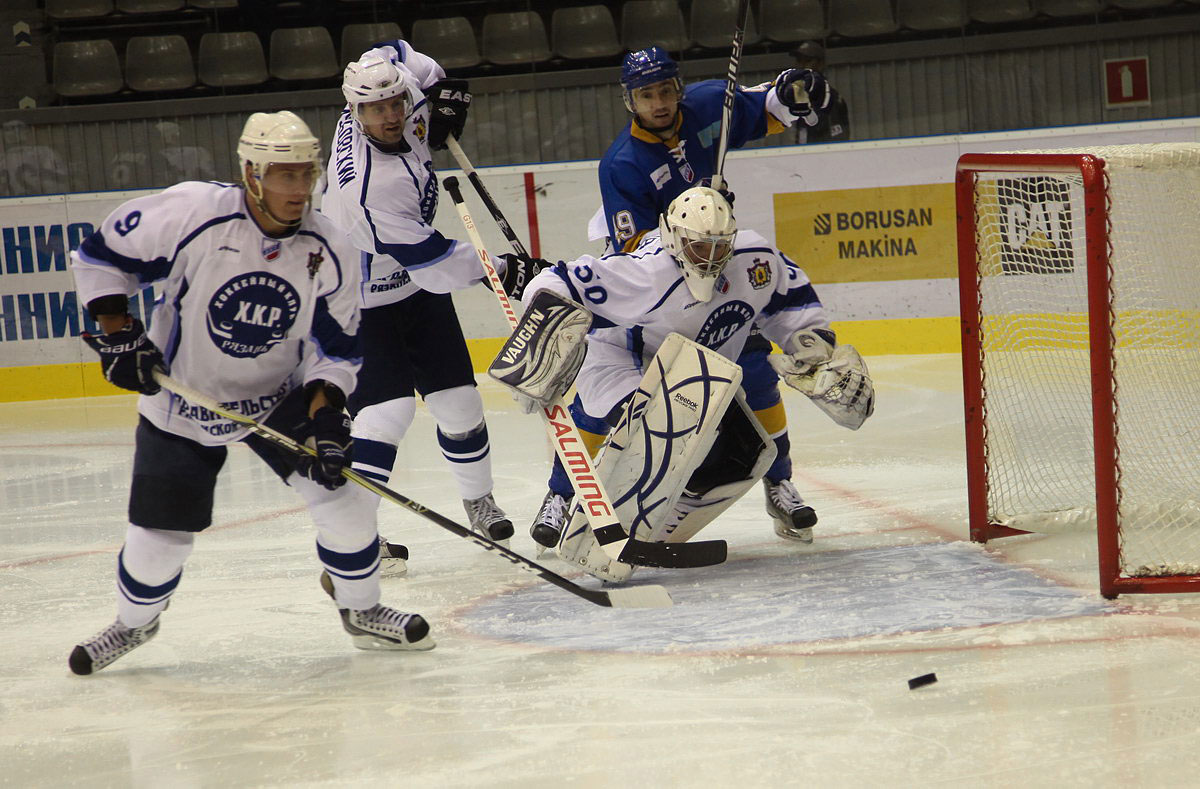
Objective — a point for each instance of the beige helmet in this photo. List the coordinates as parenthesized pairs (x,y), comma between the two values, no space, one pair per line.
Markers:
(274,138)
(698,230)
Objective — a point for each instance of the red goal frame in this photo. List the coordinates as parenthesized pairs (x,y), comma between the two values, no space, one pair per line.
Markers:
(1106,460)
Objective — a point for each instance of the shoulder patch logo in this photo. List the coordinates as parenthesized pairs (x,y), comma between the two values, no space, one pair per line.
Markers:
(760,274)
(419,129)
(252,313)
(270,248)
(315,259)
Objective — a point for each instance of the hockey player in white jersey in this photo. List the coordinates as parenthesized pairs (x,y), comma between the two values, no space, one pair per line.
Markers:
(705,280)
(383,192)
(259,309)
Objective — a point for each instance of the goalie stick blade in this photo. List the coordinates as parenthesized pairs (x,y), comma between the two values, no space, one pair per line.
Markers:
(674,555)
(652,596)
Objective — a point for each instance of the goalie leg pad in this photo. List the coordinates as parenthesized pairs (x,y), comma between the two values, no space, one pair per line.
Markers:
(542,357)
(666,432)
(737,460)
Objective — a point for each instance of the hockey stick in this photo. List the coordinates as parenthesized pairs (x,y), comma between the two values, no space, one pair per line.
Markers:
(460,156)
(607,528)
(731,76)
(634,597)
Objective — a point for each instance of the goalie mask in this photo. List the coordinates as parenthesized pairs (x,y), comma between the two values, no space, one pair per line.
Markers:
(275,138)
(698,230)
(374,78)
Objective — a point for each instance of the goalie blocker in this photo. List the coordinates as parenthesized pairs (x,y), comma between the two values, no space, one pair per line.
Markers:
(541,358)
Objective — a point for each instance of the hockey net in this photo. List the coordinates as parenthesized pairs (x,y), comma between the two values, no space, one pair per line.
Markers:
(1080,299)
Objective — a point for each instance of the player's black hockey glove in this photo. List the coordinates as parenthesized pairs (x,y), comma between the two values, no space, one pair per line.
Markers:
(127,357)
(329,433)
(449,101)
(805,92)
(518,271)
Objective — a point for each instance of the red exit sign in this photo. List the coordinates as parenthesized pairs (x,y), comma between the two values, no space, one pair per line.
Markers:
(1127,82)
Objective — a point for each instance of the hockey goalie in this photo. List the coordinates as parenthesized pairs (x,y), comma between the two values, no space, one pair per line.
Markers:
(662,326)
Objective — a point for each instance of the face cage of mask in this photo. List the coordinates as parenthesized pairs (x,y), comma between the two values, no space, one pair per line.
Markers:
(706,254)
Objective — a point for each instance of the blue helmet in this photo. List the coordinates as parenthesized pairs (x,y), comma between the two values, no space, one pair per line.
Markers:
(645,67)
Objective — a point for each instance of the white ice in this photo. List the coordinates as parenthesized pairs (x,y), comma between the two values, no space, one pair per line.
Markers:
(786,666)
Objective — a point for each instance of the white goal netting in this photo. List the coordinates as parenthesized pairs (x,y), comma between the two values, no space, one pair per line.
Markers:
(1034,328)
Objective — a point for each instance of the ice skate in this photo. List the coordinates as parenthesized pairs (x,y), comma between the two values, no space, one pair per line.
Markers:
(488,519)
(547,527)
(392,559)
(111,643)
(793,518)
(380,627)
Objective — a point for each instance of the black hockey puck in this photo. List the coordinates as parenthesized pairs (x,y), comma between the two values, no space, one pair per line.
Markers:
(922,681)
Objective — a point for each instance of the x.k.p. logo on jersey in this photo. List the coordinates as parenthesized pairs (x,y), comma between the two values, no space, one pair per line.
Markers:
(252,313)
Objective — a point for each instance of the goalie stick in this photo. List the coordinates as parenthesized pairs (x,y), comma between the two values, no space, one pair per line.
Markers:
(731,76)
(593,499)
(650,596)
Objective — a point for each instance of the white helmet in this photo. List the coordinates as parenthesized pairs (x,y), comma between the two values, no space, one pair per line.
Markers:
(275,138)
(374,77)
(698,229)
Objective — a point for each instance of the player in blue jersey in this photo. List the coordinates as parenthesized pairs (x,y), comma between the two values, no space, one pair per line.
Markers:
(669,147)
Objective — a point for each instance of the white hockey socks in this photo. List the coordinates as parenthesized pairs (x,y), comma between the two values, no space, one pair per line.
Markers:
(148,570)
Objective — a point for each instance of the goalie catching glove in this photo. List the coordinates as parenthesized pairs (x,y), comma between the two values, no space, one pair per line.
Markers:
(127,357)
(540,360)
(835,379)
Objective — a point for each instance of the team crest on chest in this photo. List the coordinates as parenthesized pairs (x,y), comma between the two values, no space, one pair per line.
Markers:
(723,322)
(722,284)
(760,274)
(271,248)
(251,313)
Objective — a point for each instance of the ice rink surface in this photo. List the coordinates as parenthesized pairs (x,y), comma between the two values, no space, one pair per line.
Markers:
(786,666)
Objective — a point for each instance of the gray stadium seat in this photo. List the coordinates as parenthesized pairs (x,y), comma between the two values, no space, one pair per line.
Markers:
(228,60)
(358,38)
(999,11)
(148,6)
(930,14)
(86,68)
(302,53)
(1067,7)
(449,41)
(78,9)
(792,20)
(511,38)
(158,63)
(646,23)
(1137,5)
(713,23)
(584,32)
(856,18)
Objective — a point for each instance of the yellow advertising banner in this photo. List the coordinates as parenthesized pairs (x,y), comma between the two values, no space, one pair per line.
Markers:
(869,235)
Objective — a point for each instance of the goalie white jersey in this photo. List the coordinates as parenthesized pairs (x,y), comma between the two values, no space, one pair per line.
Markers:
(243,317)
(640,297)
(386,202)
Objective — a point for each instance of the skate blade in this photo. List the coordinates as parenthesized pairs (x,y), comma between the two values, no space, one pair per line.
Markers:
(392,568)
(370,642)
(784,530)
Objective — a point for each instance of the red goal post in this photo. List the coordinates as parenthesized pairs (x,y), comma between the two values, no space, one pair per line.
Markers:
(1080,303)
